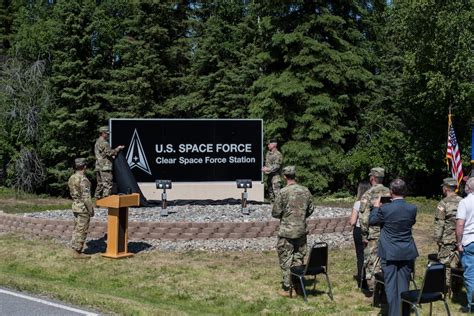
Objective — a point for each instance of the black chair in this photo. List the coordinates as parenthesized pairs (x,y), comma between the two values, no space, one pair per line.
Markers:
(457,273)
(433,289)
(379,287)
(317,264)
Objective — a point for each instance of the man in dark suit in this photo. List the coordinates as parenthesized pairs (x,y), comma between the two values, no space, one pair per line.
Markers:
(397,248)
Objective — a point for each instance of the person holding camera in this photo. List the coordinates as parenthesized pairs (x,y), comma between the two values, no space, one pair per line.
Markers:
(396,246)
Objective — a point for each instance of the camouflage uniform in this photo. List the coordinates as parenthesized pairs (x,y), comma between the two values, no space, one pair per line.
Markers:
(80,190)
(292,206)
(371,234)
(445,233)
(273,161)
(104,162)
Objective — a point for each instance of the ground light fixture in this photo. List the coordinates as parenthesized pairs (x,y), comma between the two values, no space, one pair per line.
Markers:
(163,184)
(244,184)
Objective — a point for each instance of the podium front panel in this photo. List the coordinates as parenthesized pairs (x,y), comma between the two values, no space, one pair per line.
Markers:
(122,227)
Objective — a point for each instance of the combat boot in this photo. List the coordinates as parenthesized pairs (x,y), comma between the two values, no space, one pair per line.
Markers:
(79,255)
(284,293)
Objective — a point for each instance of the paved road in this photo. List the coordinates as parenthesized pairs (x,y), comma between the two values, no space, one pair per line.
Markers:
(14,303)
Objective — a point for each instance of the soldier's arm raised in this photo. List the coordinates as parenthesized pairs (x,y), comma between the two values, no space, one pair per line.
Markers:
(376,216)
(108,152)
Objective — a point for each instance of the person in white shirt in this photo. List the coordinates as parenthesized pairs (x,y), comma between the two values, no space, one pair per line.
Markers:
(465,241)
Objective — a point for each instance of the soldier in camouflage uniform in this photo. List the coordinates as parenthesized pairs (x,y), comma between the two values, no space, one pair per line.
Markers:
(104,162)
(292,206)
(371,234)
(273,161)
(445,227)
(80,190)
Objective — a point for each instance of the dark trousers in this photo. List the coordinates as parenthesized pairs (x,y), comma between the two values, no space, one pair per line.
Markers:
(359,248)
(396,277)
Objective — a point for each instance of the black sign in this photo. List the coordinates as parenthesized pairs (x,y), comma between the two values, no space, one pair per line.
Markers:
(190,150)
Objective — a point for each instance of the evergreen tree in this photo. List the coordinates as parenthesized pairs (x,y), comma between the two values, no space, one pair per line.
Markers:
(143,61)
(223,35)
(380,138)
(76,78)
(314,83)
(34,31)
(6,21)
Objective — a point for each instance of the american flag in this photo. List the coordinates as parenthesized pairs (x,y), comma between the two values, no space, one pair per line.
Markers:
(453,153)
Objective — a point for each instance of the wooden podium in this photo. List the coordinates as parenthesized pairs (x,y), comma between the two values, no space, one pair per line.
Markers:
(117,223)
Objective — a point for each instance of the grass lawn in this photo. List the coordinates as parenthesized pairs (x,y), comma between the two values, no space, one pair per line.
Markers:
(192,283)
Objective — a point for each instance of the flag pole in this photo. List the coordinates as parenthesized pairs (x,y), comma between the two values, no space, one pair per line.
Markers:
(453,153)
(448,172)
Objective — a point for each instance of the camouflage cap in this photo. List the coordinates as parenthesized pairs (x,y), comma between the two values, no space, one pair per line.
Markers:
(104,129)
(450,182)
(273,141)
(79,162)
(377,172)
(289,170)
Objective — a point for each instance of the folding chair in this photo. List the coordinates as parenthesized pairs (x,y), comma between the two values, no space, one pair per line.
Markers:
(433,289)
(457,273)
(379,289)
(317,264)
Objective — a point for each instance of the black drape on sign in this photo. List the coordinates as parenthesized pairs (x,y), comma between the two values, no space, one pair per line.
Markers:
(126,183)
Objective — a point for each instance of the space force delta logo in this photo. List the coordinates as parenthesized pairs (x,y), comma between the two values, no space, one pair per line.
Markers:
(136,155)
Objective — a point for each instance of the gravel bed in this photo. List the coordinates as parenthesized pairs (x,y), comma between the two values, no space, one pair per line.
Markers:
(195,213)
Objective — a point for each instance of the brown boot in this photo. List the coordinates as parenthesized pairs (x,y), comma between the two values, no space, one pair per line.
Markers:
(284,293)
(79,255)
